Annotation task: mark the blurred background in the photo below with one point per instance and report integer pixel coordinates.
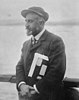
(63, 21)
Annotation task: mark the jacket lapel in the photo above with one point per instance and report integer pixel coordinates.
(27, 49)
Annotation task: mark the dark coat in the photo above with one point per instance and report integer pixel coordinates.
(50, 86)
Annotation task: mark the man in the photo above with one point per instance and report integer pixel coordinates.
(41, 69)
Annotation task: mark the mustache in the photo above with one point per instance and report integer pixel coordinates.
(27, 27)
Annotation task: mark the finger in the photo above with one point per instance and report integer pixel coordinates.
(29, 94)
(33, 92)
(23, 93)
(30, 87)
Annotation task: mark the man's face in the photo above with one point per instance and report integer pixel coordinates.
(32, 24)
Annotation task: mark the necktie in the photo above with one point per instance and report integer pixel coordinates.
(34, 41)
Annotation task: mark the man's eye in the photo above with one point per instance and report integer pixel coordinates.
(29, 21)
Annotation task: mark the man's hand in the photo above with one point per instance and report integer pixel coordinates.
(32, 92)
(25, 90)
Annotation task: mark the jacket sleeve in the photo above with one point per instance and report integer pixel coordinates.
(20, 76)
(56, 67)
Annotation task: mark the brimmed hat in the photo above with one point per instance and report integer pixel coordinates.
(38, 10)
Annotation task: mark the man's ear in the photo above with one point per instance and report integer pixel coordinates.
(41, 22)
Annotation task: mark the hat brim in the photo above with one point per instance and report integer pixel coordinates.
(25, 12)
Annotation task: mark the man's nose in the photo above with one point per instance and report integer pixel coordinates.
(27, 25)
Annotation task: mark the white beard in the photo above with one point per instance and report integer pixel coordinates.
(28, 32)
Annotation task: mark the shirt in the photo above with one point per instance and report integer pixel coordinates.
(36, 38)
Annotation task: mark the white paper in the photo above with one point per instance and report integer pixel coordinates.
(33, 66)
(39, 61)
(43, 70)
(38, 58)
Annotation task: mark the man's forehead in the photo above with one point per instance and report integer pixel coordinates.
(32, 16)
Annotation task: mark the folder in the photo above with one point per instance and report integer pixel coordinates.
(37, 61)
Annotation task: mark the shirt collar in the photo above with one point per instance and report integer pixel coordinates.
(39, 35)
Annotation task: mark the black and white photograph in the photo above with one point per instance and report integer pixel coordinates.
(39, 50)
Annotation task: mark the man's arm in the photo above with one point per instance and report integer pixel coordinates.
(20, 75)
(20, 72)
(22, 87)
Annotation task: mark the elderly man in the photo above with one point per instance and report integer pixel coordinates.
(41, 68)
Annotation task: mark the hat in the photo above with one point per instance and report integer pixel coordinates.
(38, 10)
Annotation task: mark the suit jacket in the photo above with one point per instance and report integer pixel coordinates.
(50, 85)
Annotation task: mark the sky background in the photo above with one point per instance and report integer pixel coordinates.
(58, 10)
